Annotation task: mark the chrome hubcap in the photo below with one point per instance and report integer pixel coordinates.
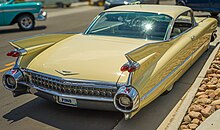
(26, 22)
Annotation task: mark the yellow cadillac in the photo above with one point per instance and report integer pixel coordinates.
(127, 57)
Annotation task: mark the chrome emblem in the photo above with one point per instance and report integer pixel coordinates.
(67, 72)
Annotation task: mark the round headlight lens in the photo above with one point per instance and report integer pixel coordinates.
(125, 101)
(10, 81)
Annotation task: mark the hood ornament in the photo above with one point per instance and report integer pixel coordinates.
(67, 72)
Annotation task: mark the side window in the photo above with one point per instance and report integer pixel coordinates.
(182, 23)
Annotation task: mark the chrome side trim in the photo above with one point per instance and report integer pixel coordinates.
(155, 87)
(14, 10)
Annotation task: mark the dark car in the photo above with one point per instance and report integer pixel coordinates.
(212, 6)
(113, 3)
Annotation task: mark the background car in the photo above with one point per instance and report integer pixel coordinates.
(56, 3)
(212, 6)
(113, 3)
(24, 14)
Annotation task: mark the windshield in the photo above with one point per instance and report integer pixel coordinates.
(141, 25)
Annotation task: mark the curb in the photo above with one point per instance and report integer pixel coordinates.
(211, 122)
(175, 117)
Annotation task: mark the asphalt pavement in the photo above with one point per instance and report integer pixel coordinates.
(30, 112)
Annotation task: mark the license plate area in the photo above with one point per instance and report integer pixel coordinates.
(67, 101)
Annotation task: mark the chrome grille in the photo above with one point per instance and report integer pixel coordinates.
(72, 87)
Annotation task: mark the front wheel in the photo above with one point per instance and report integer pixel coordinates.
(26, 22)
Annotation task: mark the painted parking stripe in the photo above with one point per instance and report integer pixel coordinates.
(5, 69)
(9, 64)
(8, 67)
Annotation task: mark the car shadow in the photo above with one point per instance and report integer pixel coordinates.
(14, 30)
(151, 116)
(63, 117)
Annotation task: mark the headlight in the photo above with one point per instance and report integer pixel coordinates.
(126, 99)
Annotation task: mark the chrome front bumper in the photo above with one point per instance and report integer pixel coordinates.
(42, 16)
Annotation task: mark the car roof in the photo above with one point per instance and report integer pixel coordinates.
(171, 10)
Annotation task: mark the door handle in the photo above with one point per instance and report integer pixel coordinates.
(193, 37)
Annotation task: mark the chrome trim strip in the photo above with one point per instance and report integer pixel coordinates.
(156, 86)
(13, 10)
(72, 96)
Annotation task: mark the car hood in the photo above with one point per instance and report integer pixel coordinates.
(87, 57)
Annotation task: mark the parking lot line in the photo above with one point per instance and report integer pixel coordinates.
(8, 68)
(9, 64)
